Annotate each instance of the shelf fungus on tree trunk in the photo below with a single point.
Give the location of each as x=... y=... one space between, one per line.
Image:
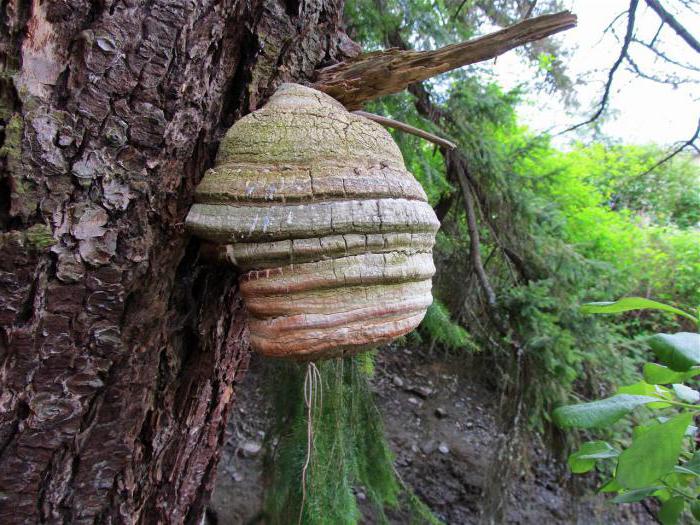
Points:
x=333 y=235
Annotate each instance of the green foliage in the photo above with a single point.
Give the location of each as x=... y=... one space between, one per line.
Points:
x=349 y=451
x=656 y=374
x=598 y=191
x=441 y=329
x=557 y=228
x=668 y=195
x=661 y=460
x=679 y=351
x=585 y=458
x=600 y=413
x=630 y=303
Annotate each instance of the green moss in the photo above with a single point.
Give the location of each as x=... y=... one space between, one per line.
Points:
x=349 y=451
x=34 y=238
x=12 y=147
x=39 y=237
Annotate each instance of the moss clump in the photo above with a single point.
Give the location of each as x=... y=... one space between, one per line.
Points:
x=12 y=147
x=39 y=237
x=349 y=452
x=441 y=329
x=34 y=238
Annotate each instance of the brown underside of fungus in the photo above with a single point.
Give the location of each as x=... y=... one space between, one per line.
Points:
x=333 y=235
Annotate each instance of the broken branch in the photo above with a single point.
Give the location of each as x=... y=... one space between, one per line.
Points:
x=373 y=75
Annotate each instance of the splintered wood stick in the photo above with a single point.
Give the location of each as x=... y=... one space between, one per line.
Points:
x=372 y=75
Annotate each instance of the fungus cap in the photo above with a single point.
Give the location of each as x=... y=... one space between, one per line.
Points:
x=333 y=235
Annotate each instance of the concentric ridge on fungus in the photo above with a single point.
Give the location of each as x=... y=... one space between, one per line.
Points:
x=335 y=236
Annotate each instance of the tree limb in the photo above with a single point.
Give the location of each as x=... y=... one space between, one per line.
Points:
x=373 y=75
x=669 y=19
x=456 y=165
x=402 y=126
x=671 y=80
x=608 y=85
x=686 y=144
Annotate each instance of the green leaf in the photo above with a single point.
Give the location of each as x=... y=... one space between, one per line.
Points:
x=643 y=388
x=671 y=511
x=630 y=303
x=632 y=496
x=657 y=374
x=652 y=454
x=686 y=394
x=692 y=466
x=679 y=469
x=584 y=459
x=679 y=351
x=599 y=413
x=610 y=486
x=695 y=509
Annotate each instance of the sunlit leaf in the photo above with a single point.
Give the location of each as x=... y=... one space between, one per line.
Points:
x=599 y=413
x=643 y=388
x=584 y=459
x=679 y=351
x=630 y=303
x=652 y=454
x=685 y=393
x=657 y=374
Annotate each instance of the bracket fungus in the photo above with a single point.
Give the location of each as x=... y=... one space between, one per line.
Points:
x=332 y=234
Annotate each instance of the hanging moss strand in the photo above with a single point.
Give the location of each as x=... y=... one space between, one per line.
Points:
x=349 y=451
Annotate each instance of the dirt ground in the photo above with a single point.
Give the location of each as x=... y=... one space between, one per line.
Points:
x=441 y=426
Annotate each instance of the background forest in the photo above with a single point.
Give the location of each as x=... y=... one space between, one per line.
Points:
x=557 y=226
x=533 y=226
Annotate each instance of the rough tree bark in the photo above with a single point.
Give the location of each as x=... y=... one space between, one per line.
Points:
x=119 y=354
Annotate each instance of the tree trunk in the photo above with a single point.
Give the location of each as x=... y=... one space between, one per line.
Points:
x=120 y=351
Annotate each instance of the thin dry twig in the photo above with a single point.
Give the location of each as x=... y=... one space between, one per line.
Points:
x=312 y=390
x=688 y=143
x=402 y=126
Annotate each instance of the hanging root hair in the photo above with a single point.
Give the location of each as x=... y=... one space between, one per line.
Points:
x=313 y=390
